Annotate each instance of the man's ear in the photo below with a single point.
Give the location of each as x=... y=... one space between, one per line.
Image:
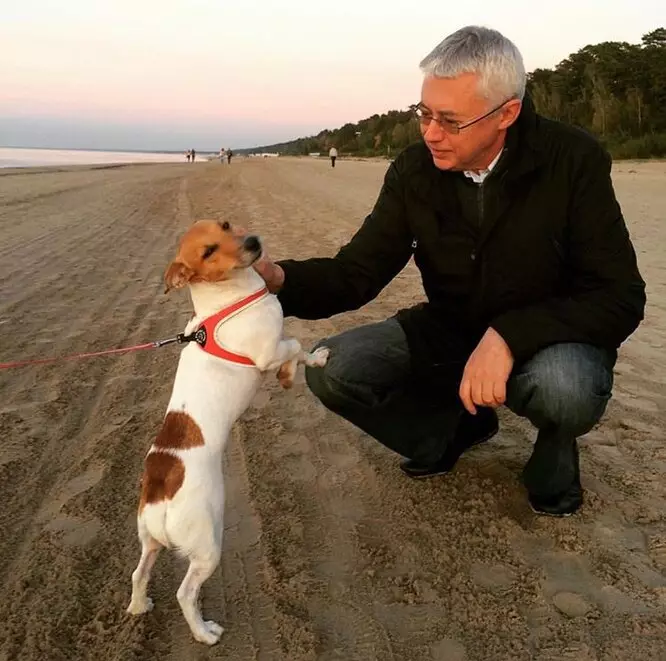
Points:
x=510 y=113
x=177 y=276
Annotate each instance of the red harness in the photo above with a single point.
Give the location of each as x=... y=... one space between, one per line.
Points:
x=204 y=335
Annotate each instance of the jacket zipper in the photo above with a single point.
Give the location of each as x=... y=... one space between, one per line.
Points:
x=481 y=211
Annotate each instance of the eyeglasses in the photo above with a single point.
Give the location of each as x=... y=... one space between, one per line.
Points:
x=425 y=116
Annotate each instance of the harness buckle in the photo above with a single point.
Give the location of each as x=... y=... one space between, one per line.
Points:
x=199 y=336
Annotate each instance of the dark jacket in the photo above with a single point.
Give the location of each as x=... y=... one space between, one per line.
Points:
x=547 y=257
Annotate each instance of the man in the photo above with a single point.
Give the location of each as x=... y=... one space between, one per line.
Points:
x=529 y=271
x=332 y=154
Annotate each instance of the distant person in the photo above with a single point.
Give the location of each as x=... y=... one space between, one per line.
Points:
x=529 y=271
x=188 y=155
x=194 y=153
x=333 y=154
x=222 y=155
x=229 y=155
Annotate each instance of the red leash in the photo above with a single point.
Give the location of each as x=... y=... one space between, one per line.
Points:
x=45 y=361
x=203 y=336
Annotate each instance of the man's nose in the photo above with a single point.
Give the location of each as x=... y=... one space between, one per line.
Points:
x=434 y=132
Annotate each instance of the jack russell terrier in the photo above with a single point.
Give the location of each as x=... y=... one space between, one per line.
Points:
x=237 y=333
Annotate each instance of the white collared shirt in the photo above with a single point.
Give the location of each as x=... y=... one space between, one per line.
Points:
x=478 y=177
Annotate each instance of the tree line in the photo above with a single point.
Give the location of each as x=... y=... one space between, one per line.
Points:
x=615 y=90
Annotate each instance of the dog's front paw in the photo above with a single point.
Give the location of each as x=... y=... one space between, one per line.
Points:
x=140 y=606
x=318 y=358
x=210 y=633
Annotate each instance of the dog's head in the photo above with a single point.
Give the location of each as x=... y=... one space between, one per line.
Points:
x=210 y=251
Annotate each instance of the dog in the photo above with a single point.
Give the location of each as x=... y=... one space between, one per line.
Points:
x=233 y=339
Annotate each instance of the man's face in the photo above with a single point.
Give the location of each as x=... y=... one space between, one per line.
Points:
x=456 y=101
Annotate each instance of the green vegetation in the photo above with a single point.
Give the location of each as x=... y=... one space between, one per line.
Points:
x=615 y=90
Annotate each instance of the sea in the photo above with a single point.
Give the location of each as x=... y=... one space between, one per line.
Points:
x=26 y=158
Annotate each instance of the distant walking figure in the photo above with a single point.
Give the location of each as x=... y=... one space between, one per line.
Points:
x=333 y=154
x=194 y=153
x=229 y=155
x=188 y=154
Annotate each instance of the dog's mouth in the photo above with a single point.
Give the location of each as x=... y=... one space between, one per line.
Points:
x=249 y=256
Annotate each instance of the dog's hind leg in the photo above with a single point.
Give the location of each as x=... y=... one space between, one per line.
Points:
x=200 y=569
x=140 y=602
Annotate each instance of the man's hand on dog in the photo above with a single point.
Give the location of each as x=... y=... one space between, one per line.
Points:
x=486 y=373
x=272 y=274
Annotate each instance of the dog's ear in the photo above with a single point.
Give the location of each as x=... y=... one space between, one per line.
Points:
x=177 y=275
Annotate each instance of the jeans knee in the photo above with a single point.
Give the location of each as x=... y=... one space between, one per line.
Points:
x=356 y=374
x=565 y=387
x=318 y=382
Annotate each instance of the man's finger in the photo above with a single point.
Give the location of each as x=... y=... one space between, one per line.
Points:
x=500 y=392
x=488 y=394
x=477 y=392
x=465 y=393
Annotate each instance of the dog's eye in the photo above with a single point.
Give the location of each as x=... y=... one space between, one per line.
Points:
x=225 y=226
x=210 y=250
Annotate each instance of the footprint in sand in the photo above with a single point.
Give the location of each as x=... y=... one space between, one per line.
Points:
x=338 y=451
x=492 y=577
x=448 y=649
x=571 y=587
x=73 y=488
x=305 y=414
x=571 y=604
x=294 y=451
x=73 y=531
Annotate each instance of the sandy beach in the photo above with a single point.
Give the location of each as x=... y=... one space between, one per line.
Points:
x=330 y=553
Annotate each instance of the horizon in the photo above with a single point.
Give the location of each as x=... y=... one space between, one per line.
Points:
x=168 y=77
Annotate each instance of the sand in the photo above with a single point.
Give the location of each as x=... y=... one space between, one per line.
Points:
x=329 y=552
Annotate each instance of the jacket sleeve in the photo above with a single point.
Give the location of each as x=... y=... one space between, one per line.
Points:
x=320 y=287
x=606 y=300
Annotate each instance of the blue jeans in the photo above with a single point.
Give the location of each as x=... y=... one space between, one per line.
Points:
x=370 y=380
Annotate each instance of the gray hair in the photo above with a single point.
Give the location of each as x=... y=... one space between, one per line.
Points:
x=483 y=51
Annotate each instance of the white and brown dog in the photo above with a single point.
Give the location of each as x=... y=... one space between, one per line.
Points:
x=237 y=333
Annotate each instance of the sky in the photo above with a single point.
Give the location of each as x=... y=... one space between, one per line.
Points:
x=175 y=74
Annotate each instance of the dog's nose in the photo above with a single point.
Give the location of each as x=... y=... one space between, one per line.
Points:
x=252 y=244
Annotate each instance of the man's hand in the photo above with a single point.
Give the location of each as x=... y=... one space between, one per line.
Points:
x=271 y=272
x=486 y=373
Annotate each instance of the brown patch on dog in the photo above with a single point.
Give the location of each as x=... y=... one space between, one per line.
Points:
x=163 y=475
x=179 y=432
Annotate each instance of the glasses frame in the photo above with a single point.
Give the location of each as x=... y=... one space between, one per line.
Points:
x=448 y=125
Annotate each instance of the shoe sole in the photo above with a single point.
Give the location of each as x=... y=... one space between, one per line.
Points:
x=487 y=437
x=565 y=515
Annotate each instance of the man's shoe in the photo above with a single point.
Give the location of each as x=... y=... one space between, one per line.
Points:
x=564 y=504
x=472 y=430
